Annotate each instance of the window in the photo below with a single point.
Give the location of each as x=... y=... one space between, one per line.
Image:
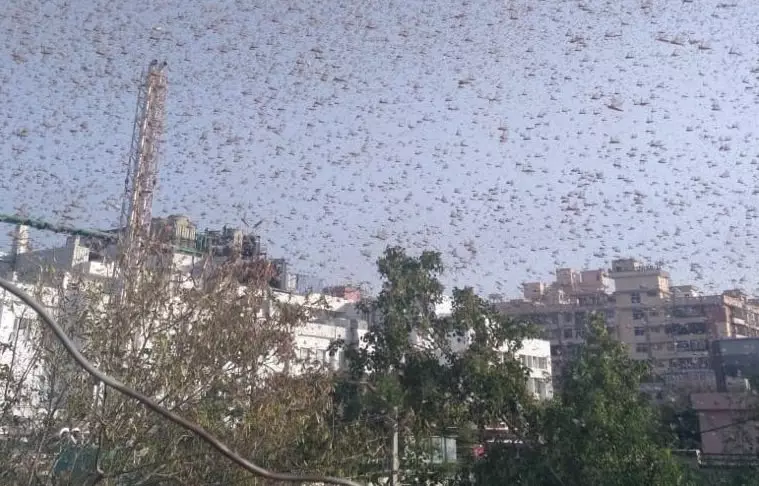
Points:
x=635 y=297
x=698 y=345
x=640 y=331
x=568 y=333
x=580 y=333
x=543 y=363
x=443 y=450
x=539 y=387
x=638 y=315
x=641 y=348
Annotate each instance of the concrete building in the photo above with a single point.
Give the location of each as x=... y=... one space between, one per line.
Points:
x=20 y=361
x=340 y=320
x=729 y=427
x=728 y=419
x=671 y=327
x=93 y=255
x=346 y=292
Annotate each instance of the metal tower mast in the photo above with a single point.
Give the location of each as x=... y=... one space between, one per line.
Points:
x=142 y=169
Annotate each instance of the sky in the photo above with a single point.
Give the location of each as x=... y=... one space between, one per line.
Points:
x=513 y=136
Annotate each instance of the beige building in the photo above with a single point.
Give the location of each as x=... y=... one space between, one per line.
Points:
x=669 y=326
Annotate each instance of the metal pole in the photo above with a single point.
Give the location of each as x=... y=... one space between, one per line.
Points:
x=394 y=460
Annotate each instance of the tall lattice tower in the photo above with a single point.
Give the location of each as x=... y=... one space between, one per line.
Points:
x=142 y=169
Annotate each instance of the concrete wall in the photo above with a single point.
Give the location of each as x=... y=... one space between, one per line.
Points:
x=725 y=423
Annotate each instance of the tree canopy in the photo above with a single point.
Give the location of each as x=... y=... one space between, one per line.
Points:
x=432 y=370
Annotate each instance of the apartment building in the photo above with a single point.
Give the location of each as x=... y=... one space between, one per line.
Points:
x=340 y=319
x=669 y=326
x=563 y=308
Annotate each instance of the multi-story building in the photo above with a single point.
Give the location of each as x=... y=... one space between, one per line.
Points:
x=19 y=356
x=669 y=326
x=94 y=254
x=563 y=308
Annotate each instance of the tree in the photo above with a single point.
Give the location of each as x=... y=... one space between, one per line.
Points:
x=432 y=375
x=211 y=345
x=598 y=429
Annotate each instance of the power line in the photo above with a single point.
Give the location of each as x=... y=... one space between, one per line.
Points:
x=152 y=405
x=751 y=418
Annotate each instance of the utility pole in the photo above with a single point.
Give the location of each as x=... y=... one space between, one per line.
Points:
x=395 y=463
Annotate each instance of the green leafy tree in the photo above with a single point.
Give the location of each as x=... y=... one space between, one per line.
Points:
x=432 y=375
x=598 y=429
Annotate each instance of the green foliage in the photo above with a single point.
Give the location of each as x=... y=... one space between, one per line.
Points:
x=680 y=428
x=446 y=375
x=597 y=430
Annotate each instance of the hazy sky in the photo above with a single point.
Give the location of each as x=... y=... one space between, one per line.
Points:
x=513 y=136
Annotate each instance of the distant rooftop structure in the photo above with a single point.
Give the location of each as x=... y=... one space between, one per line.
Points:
x=570 y=286
x=632 y=265
x=309 y=284
x=347 y=292
x=685 y=291
x=92 y=252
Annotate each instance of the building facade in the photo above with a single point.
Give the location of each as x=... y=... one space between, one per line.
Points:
x=338 y=320
x=671 y=327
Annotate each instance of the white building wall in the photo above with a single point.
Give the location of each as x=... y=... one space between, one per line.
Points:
x=20 y=356
x=536 y=356
x=312 y=341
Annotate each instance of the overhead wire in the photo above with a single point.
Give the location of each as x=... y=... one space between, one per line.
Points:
x=152 y=405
